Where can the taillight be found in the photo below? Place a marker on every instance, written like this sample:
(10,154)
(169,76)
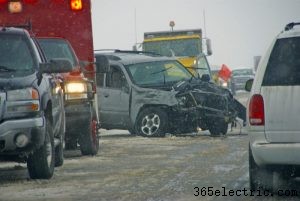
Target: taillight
(256,110)
(76,5)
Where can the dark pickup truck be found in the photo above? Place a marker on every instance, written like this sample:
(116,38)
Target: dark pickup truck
(32,117)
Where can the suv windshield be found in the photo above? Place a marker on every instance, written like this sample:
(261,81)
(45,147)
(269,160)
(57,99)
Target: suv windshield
(284,63)
(184,47)
(15,55)
(158,72)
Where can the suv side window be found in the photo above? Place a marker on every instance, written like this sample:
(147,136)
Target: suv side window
(115,78)
(283,68)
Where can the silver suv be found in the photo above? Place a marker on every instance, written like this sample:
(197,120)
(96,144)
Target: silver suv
(273,113)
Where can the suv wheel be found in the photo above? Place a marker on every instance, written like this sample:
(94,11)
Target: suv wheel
(88,139)
(41,162)
(259,177)
(152,122)
(218,127)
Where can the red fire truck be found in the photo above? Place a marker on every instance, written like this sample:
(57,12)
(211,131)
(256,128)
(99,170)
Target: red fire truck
(68,22)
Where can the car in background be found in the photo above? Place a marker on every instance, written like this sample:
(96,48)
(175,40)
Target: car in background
(273,113)
(239,78)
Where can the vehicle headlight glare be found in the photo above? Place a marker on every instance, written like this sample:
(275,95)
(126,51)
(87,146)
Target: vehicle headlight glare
(224,84)
(76,90)
(74,87)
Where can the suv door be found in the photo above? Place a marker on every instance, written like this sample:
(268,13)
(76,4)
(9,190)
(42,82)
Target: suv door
(114,99)
(281,92)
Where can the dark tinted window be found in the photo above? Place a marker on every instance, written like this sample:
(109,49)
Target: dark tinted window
(283,68)
(56,48)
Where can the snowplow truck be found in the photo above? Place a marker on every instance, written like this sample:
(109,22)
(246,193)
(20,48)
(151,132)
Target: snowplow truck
(185,45)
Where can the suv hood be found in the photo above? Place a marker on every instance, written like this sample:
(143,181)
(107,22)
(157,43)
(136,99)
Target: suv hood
(17,82)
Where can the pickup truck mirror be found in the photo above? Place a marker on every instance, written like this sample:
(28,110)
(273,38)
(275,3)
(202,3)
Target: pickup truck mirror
(102,64)
(207,46)
(249,84)
(57,65)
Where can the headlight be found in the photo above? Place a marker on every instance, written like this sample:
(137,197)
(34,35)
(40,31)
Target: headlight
(76,90)
(23,100)
(22,94)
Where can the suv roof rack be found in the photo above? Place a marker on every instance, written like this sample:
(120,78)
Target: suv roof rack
(291,25)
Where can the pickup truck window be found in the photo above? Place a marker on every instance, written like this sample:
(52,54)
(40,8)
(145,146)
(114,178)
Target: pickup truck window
(56,48)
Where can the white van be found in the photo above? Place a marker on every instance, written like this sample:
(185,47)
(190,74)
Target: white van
(273,111)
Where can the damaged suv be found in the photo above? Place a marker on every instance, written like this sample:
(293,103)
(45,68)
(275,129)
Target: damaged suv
(152,95)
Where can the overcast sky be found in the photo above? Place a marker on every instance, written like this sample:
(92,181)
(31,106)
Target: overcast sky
(238,29)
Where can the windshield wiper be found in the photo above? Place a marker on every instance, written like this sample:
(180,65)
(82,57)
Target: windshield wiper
(6,69)
(163,70)
(163,74)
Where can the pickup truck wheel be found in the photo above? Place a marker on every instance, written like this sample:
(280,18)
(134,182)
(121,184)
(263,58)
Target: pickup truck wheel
(217,127)
(259,177)
(152,122)
(40,163)
(88,139)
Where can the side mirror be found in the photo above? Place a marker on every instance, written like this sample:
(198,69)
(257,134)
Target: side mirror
(249,84)
(102,64)
(208,47)
(205,78)
(56,65)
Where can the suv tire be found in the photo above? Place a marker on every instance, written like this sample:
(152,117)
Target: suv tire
(218,127)
(41,162)
(152,122)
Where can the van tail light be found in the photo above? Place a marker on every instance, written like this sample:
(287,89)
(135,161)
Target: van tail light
(256,110)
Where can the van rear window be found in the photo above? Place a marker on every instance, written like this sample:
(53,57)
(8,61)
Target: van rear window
(283,68)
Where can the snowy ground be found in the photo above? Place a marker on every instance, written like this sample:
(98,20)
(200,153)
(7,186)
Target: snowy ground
(134,168)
